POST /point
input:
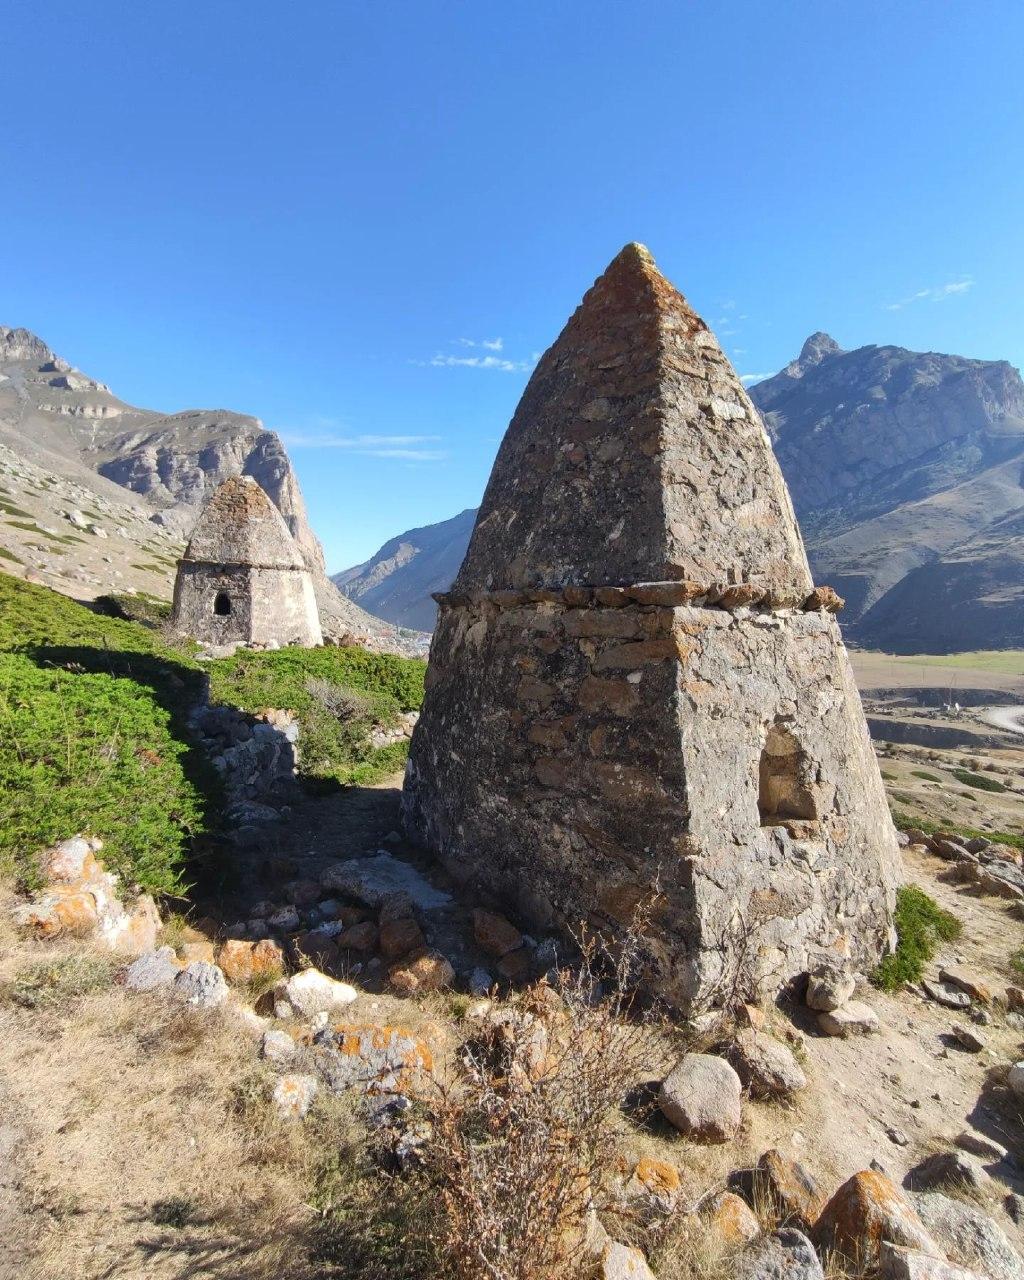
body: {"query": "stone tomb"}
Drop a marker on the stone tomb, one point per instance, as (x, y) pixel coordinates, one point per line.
(634, 686)
(242, 578)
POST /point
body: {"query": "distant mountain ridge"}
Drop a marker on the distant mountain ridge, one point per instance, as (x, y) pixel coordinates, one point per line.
(907, 474)
(150, 468)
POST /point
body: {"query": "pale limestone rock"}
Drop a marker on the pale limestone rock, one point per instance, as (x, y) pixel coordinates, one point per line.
(701, 1098)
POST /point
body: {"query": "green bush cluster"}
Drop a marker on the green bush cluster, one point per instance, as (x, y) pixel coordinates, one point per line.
(930, 827)
(978, 780)
(921, 924)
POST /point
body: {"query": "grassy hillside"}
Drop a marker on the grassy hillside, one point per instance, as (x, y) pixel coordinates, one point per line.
(93, 733)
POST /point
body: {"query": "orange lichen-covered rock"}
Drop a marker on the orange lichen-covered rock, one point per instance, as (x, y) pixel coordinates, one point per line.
(378, 1059)
(653, 1189)
(428, 971)
(244, 962)
(788, 1188)
(74, 910)
(732, 1218)
(867, 1209)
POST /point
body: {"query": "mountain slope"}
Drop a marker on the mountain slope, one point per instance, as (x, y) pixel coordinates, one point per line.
(69, 446)
(397, 582)
(907, 474)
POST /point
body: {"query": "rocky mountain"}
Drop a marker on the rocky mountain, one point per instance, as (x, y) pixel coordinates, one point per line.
(907, 473)
(78, 466)
(398, 581)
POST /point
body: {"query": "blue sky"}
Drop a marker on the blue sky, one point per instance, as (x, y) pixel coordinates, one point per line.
(361, 221)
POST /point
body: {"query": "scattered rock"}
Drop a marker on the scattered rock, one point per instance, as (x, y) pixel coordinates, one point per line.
(910, 1264)
(151, 970)
(1015, 999)
(653, 1189)
(701, 1098)
(245, 962)
(1015, 1078)
(480, 982)
(867, 1209)
(372, 880)
(967, 1038)
(359, 937)
(968, 1236)
(829, 987)
(853, 1019)
(286, 920)
(429, 971)
(201, 984)
(516, 966)
(311, 992)
(379, 1059)
(967, 981)
(731, 1217)
(293, 1095)
(946, 994)
(979, 1144)
(277, 1046)
(766, 1067)
(622, 1262)
(948, 1167)
(786, 1254)
(789, 1189)
(400, 936)
(494, 934)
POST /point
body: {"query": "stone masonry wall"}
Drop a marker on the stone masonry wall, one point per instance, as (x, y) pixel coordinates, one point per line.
(575, 754)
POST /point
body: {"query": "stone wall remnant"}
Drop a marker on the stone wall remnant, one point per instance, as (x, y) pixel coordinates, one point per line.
(634, 686)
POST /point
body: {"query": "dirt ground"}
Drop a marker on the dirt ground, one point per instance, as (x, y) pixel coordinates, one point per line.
(113, 1113)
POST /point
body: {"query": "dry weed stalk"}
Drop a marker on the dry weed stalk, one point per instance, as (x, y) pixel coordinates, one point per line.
(523, 1137)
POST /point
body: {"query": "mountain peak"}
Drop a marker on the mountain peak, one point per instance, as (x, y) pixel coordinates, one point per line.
(817, 347)
(22, 344)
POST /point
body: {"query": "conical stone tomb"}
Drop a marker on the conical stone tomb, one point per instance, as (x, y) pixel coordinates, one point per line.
(634, 687)
(242, 578)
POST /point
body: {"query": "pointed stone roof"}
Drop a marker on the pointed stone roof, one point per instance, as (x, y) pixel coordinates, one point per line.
(240, 525)
(635, 455)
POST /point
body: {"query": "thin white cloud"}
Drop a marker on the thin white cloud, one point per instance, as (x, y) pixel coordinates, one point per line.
(937, 294)
(488, 344)
(747, 378)
(478, 362)
(368, 446)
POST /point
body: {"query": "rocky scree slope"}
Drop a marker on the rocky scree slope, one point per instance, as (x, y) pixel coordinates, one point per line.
(70, 443)
(907, 473)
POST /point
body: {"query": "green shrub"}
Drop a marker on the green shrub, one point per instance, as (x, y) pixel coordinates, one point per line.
(928, 777)
(953, 828)
(921, 924)
(89, 751)
(977, 780)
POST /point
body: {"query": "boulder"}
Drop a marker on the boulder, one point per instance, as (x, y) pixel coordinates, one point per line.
(867, 1209)
(897, 1263)
(245, 962)
(950, 1168)
(277, 1046)
(201, 984)
(1015, 1079)
(853, 1019)
(400, 936)
(359, 937)
(653, 1189)
(968, 982)
(966, 1235)
(701, 1098)
(494, 934)
(151, 970)
(731, 1218)
(311, 992)
(378, 1059)
(622, 1262)
(372, 880)
(784, 1185)
(829, 987)
(293, 1095)
(967, 1037)
(766, 1067)
(946, 994)
(786, 1254)
(285, 919)
(979, 1144)
(428, 971)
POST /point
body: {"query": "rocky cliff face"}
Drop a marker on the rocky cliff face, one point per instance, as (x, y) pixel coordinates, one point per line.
(906, 470)
(155, 471)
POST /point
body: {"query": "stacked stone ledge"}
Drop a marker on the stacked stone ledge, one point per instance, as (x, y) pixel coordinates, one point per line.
(635, 693)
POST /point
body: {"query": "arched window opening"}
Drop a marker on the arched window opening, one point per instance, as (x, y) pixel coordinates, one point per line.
(222, 604)
(783, 789)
